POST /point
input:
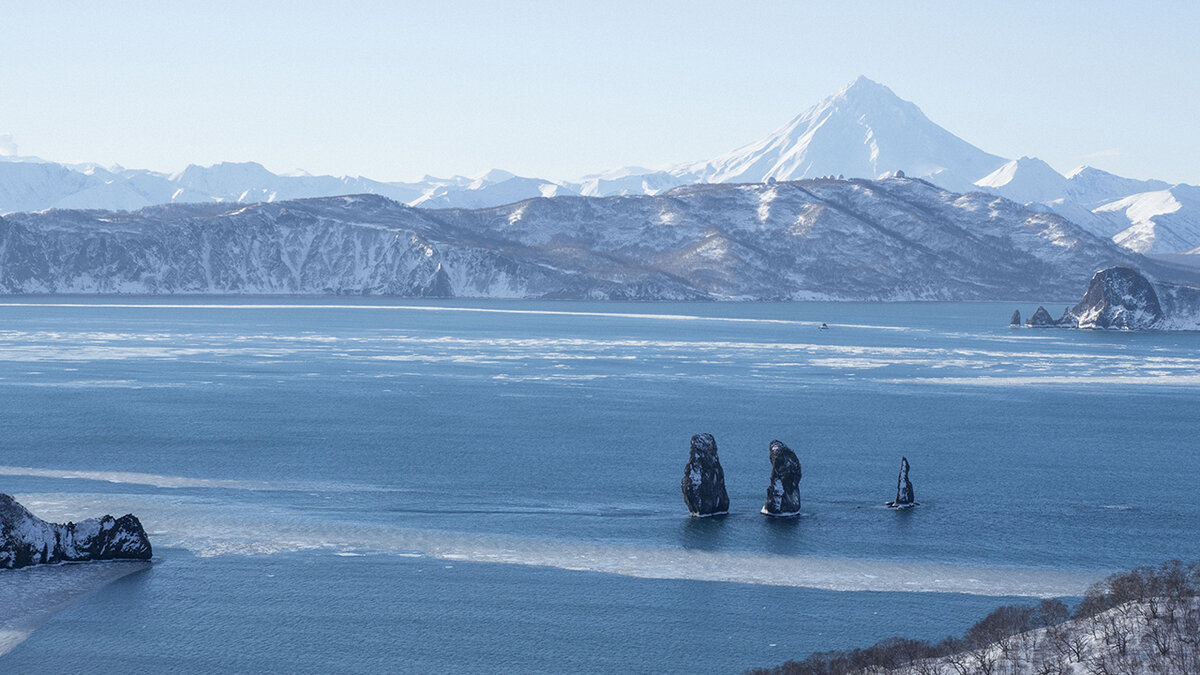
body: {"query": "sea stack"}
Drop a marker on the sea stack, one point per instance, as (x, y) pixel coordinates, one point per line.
(1016, 318)
(1041, 319)
(27, 540)
(783, 494)
(904, 489)
(703, 479)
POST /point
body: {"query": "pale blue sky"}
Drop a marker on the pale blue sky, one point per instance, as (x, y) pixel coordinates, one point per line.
(392, 90)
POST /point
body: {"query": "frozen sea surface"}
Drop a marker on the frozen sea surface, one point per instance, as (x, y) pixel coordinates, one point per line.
(350, 485)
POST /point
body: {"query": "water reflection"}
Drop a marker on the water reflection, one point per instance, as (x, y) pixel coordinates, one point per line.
(706, 534)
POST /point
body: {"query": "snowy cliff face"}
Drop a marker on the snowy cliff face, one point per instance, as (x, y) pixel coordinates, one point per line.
(897, 239)
(27, 540)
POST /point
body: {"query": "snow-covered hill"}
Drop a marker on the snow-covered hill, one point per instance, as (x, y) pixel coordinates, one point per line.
(1090, 187)
(896, 239)
(1163, 221)
(1026, 180)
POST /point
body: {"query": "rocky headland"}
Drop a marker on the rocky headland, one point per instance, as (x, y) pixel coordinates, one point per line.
(28, 540)
(1124, 298)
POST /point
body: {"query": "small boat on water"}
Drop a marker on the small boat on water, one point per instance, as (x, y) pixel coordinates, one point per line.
(824, 327)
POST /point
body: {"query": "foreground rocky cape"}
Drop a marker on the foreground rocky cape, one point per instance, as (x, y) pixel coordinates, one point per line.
(27, 540)
(894, 239)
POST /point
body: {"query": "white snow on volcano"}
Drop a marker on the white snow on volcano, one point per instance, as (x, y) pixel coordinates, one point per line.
(862, 131)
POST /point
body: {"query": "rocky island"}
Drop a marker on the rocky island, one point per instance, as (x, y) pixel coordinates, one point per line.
(27, 540)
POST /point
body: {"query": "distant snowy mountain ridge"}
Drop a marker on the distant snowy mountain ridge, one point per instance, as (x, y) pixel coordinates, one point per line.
(862, 131)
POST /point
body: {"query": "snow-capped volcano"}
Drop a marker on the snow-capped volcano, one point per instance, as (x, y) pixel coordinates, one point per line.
(862, 131)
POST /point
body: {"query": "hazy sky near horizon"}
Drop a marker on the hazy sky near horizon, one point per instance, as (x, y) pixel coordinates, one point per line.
(395, 90)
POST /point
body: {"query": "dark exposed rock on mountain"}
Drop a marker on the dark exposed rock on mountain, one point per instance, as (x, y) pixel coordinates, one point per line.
(783, 493)
(703, 479)
(893, 239)
(1041, 319)
(904, 489)
(1016, 318)
(27, 540)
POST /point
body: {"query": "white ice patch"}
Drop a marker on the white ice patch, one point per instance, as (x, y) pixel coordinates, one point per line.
(160, 481)
(214, 530)
(431, 308)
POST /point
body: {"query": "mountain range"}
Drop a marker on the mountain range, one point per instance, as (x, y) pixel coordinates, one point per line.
(859, 197)
(839, 239)
(862, 131)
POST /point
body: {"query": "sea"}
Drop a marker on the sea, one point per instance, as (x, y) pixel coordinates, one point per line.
(363, 485)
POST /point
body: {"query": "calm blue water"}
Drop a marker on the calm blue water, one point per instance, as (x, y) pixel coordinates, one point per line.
(404, 486)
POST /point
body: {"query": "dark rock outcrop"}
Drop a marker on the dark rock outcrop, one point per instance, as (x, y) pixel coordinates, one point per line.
(1016, 318)
(1041, 319)
(27, 540)
(703, 479)
(783, 494)
(904, 489)
(1119, 297)
(1067, 320)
